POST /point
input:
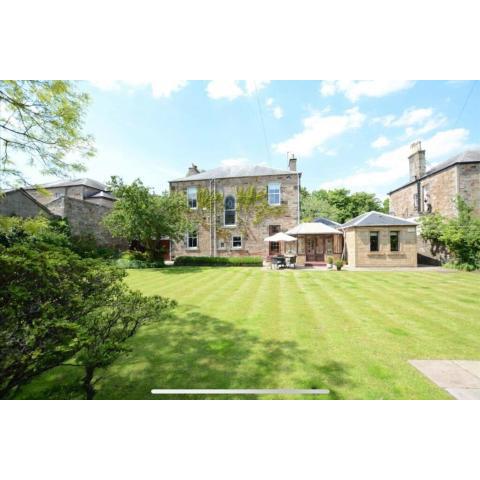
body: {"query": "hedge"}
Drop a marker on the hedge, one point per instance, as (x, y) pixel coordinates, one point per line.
(126, 263)
(218, 261)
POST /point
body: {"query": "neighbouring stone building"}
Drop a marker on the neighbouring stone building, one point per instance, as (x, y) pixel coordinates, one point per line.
(226, 227)
(19, 202)
(435, 191)
(376, 239)
(84, 202)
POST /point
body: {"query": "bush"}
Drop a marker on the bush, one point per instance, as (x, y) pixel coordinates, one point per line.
(330, 260)
(339, 264)
(460, 235)
(132, 263)
(86, 246)
(219, 261)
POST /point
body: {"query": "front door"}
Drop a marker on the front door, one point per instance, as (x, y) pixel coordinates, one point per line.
(310, 248)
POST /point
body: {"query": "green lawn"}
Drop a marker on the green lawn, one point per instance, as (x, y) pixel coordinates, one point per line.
(350, 332)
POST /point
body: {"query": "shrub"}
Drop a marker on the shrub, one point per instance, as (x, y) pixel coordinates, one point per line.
(460, 235)
(132, 263)
(339, 264)
(219, 261)
(86, 246)
(330, 260)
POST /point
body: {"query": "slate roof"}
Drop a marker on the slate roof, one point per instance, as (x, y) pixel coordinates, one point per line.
(470, 156)
(103, 194)
(88, 182)
(327, 221)
(233, 171)
(376, 219)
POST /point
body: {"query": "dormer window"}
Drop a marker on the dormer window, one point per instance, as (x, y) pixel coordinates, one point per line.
(192, 198)
(274, 194)
(230, 214)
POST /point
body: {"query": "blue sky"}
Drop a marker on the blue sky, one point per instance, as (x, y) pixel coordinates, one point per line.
(344, 133)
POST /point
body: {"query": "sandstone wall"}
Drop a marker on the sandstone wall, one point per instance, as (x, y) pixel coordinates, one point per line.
(17, 203)
(359, 242)
(469, 184)
(85, 219)
(252, 241)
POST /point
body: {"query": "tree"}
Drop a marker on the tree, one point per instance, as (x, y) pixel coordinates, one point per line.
(459, 235)
(316, 205)
(41, 122)
(103, 334)
(339, 205)
(56, 305)
(45, 293)
(140, 215)
(386, 205)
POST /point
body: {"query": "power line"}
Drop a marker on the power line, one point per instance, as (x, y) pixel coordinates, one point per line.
(263, 124)
(466, 100)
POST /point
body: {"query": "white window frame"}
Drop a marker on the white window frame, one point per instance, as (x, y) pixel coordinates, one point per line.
(188, 237)
(230, 225)
(195, 190)
(241, 242)
(279, 187)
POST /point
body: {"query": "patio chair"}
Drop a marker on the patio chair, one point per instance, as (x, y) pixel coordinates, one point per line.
(292, 261)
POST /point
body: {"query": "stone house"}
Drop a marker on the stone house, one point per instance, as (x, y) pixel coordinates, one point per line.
(376, 239)
(84, 202)
(227, 226)
(435, 191)
(19, 202)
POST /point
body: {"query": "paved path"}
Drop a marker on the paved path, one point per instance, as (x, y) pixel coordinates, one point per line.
(460, 378)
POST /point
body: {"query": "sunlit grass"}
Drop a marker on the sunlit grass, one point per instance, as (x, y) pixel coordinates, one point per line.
(350, 332)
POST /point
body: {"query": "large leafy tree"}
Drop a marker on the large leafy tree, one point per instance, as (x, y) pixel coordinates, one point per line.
(339, 204)
(56, 306)
(139, 214)
(41, 122)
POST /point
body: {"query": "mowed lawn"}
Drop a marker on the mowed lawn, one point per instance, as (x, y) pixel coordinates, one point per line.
(350, 332)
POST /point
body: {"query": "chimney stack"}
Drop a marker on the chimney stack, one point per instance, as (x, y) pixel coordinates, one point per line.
(416, 161)
(292, 162)
(193, 170)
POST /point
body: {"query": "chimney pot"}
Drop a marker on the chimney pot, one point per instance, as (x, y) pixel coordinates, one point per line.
(193, 170)
(416, 160)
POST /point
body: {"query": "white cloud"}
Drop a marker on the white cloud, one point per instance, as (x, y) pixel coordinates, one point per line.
(354, 89)
(232, 89)
(276, 110)
(392, 166)
(160, 88)
(416, 121)
(380, 142)
(318, 128)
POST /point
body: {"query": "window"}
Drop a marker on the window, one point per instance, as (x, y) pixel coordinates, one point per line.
(274, 194)
(374, 241)
(274, 247)
(192, 197)
(394, 241)
(192, 240)
(236, 241)
(221, 244)
(415, 201)
(230, 210)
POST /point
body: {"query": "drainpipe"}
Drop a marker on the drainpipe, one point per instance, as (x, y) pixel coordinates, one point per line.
(298, 198)
(214, 218)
